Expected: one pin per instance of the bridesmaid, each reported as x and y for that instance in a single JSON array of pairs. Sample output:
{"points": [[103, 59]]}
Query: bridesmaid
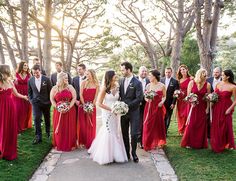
{"points": [[195, 135], [87, 121], [8, 122], [24, 114], [184, 78], [64, 123], [154, 133], [222, 135]]}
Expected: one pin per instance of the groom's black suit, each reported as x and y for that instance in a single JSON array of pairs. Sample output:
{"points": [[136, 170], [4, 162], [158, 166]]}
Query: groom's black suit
{"points": [[173, 85], [133, 98], [40, 101]]}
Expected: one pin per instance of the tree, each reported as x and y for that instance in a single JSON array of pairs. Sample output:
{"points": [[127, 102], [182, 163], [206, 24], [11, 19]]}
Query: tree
{"points": [[207, 20]]}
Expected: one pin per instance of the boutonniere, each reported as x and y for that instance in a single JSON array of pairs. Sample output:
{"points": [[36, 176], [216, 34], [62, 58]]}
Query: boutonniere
{"points": [[131, 85], [44, 83]]}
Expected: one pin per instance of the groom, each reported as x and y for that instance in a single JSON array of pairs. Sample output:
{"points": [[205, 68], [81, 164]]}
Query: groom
{"points": [[131, 93], [39, 87]]}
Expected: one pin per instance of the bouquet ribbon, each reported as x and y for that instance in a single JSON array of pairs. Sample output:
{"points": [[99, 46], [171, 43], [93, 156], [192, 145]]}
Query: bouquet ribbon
{"points": [[89, 118], [59, 122], [189, 115], [149, 104]]}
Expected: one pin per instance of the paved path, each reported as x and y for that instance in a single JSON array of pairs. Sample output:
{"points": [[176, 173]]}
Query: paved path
{"points": [[77, 166]]}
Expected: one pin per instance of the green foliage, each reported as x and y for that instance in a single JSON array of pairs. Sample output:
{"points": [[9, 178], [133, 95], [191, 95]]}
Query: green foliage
{"points": [[190, 55], [29, 158], [226, 55], [193, 164]]}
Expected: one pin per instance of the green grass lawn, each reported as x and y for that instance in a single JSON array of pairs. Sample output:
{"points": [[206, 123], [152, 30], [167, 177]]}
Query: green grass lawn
{"points": [[203, 164], [29, 158]]}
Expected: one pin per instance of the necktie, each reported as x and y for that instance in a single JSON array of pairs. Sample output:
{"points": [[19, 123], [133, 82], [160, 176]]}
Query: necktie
{"points": [[125, 85]]}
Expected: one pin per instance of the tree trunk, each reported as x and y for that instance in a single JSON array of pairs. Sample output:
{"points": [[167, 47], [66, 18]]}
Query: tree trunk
{"points": [[7, 43], [178, 40], [47, 57], [40, 56], [24, 28], [2, 57], [11, 14]]}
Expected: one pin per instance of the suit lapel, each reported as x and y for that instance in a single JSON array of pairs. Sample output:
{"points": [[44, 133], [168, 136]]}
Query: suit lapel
{"points": [[128, 88], [169, 83], [33, 84], [41, 86]]}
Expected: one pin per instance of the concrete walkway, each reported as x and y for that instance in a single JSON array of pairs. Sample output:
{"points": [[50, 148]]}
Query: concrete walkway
{"points": [[77, 166]]}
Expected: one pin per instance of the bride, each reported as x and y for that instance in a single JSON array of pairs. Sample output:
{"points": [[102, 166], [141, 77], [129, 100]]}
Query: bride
{"points": [[108, 145]]}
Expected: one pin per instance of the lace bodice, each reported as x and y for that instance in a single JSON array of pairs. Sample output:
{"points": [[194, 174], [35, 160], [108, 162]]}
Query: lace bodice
{"points": [[111, 98]]}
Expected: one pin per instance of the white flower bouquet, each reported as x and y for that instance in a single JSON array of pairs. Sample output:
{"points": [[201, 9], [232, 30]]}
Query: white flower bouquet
{"points": [[177, 93], [192, 99], [88, 107], [150, 94], [212, 97], [63, 106], [119, 108]]}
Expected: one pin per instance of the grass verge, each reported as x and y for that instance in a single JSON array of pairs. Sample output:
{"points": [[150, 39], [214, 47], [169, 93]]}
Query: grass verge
{"points": [[203, 164], [29, 158]]}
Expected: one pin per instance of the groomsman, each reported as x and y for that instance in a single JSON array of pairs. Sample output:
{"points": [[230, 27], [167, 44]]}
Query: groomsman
{"points": [[81, 68], [59, 68], [39, 87], [171, 85], [36, 61], [215, 79], [143, 73]]}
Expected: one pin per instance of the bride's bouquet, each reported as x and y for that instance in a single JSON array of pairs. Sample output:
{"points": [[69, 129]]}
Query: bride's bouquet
{"points": [[119, 108], [150, 94], [212, 97], [63, 106], [192, 99], [88, 107]]}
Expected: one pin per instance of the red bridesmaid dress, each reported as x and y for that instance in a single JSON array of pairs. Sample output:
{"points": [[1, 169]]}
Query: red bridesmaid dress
{"points": [[8, 125], [87, 121], [182, 106], [222, 135], [65, 137], [195, 135], [154, 131], [24, 108]]}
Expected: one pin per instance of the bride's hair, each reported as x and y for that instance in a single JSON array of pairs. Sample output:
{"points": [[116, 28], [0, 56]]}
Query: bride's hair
{"points": [[108, 79]]}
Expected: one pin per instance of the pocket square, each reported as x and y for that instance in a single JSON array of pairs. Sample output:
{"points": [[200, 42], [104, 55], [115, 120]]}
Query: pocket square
{"points": [[44, 83]]}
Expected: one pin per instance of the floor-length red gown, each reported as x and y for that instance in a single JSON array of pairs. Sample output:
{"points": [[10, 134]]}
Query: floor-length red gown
{"points": [[87, 121], [195, 135], [65, 137], [23, 107], [222, 135], [154, 131], [182, 106], [8, 125]]}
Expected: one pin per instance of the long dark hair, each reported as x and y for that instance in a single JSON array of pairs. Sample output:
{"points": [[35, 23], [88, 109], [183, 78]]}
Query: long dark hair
{"points": [[230, 74], [108, 79], [4, 70], [20, 67]]}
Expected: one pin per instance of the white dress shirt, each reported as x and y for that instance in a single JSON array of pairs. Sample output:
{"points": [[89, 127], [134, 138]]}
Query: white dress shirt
{"points": [[144, 82], [215, 82], [81, 78], [38, 82], [167, 81], [127, 82]]}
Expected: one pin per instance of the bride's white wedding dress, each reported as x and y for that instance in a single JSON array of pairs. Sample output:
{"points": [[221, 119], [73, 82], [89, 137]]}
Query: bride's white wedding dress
{"points": [[108, 145]]}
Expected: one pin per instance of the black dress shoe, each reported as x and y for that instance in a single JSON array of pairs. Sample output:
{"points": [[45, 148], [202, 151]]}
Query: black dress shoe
{"points": [[36, 141], [135, 158]]}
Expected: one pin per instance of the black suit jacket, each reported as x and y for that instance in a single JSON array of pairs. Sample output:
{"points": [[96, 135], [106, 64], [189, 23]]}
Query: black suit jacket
{"points": [[173, 85], [76, 85], [42, 97], [134, 93], [210, 80], [54, 78]]}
